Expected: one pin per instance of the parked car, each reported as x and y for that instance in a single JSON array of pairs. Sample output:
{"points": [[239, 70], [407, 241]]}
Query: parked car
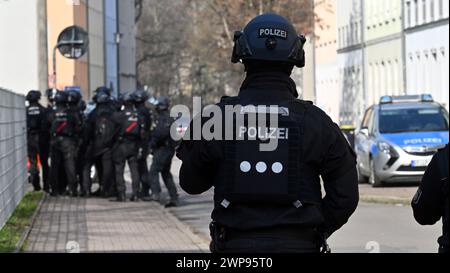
{"points": [[398, 138]]}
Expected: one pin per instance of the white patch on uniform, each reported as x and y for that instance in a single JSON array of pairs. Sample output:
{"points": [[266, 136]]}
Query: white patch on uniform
{"points": [[245, 167], [277, 167], [261, 167]]}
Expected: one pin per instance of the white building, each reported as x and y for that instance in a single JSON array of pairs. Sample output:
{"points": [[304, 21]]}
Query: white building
{"points": [[427, 48], [23, 45], [350, 61]]}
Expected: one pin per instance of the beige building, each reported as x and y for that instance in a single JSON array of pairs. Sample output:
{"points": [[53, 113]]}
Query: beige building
{"points": [[328, 95], [61, 14]]}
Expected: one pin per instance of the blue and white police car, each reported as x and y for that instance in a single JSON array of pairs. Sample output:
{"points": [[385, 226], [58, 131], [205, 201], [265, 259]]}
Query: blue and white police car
{"points": [[398, 138]]}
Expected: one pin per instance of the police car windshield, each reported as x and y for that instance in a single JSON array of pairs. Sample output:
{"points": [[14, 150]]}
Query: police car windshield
{"points": [[413, 120]]}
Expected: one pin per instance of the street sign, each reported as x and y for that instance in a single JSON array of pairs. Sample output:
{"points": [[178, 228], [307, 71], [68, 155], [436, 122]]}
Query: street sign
{"points": [[73, 42]]}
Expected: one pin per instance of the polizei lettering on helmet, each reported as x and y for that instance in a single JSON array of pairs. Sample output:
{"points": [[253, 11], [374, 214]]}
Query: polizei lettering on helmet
{"points": [[272, 32]]}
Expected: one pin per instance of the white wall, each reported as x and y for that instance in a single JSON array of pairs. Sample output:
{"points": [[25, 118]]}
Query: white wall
{"points": [[428, 63], [327, 86], [19, 44]]}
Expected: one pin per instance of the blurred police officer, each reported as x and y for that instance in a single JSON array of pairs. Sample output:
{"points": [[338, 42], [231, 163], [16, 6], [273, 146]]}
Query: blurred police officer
{"points": [[163, 150], [44, 139], [101, 130], [272, 201], [140, 97], [77, 106], [431, 203], [130, 124], [35, 122], [65, 126]]}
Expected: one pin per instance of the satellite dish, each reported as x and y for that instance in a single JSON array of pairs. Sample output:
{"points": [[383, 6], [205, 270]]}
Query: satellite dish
{"points": [[73, 42]]}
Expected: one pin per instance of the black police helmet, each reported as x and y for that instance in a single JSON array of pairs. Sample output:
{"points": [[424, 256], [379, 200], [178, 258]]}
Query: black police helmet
{"points": [[50, 94], [102, 98], [269, 37], [33, 96], [163, 103], [61, 97], [140, 96], [74, 96], [103, 89]]}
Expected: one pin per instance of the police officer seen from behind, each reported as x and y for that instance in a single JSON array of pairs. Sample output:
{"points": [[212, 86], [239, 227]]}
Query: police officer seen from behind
{"points": [[35, 122], [272, 201], [140, 97], [163, 150], [431, 203], [44, 139], [102, 130], [126, 149], [65, 126]]}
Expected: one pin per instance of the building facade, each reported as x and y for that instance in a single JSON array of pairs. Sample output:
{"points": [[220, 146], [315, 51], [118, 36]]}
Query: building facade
{"points": [[326, 70], [127, 45], [96, 53], [111, 46], [384, 49], [427, 48], [61, 14], [350, 61]]}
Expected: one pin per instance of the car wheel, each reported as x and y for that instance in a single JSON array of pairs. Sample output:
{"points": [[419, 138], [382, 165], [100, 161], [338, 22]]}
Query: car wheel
{"points": [[373, 179]]}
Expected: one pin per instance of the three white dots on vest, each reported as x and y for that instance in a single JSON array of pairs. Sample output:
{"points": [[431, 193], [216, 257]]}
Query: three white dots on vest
{"points": [[261, 167]]}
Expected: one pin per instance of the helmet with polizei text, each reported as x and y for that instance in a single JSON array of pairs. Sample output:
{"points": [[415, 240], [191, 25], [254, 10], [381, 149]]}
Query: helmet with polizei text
{"points": [[269, 37]]}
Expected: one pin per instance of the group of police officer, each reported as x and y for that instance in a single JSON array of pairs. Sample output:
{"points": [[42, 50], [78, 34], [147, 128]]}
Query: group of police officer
{"points": [[69, 138]]}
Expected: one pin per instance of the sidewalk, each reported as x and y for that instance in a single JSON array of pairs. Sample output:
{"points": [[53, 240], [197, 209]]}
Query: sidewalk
{"points": [[98, 225]]}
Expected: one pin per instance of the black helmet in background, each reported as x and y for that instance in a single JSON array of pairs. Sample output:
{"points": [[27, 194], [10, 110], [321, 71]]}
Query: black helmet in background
{"points": [[61, 98], [163, 103], [140, 96], [103, 89], [33, 96], [269, 37], [50, 94], [102, 98], [74, 96]]}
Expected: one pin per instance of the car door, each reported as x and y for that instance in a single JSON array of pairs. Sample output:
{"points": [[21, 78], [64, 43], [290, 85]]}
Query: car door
{"points": [[363, 142]]}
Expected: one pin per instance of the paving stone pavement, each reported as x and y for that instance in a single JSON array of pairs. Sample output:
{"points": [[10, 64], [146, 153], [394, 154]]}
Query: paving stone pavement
{"points": [[100, 225]]}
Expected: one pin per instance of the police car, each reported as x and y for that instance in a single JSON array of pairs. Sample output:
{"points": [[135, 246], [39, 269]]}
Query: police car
{"points": [[398, 138]]}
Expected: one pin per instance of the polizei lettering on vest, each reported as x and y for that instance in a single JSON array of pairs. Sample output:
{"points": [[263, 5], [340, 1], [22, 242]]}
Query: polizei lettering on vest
{"points": [[272, 32]]}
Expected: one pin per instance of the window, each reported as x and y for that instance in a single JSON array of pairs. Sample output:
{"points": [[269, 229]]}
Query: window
{"points": [[366, 119], [416, 11], [432, 10], [413, 120], [424, 11], [408, 14]]}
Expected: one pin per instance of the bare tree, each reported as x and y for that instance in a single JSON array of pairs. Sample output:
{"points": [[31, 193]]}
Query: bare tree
{"points": [[184, 46]]}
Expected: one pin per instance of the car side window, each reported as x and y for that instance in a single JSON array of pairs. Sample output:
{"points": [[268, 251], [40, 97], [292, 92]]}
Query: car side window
{"points": [[366, 120], [370, 124]]}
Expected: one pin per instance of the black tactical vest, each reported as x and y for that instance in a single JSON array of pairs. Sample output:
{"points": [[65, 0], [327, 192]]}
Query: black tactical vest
{"points": [[252, 176], [131, 127], [63, 123], [34, 117], [104, 129]]}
